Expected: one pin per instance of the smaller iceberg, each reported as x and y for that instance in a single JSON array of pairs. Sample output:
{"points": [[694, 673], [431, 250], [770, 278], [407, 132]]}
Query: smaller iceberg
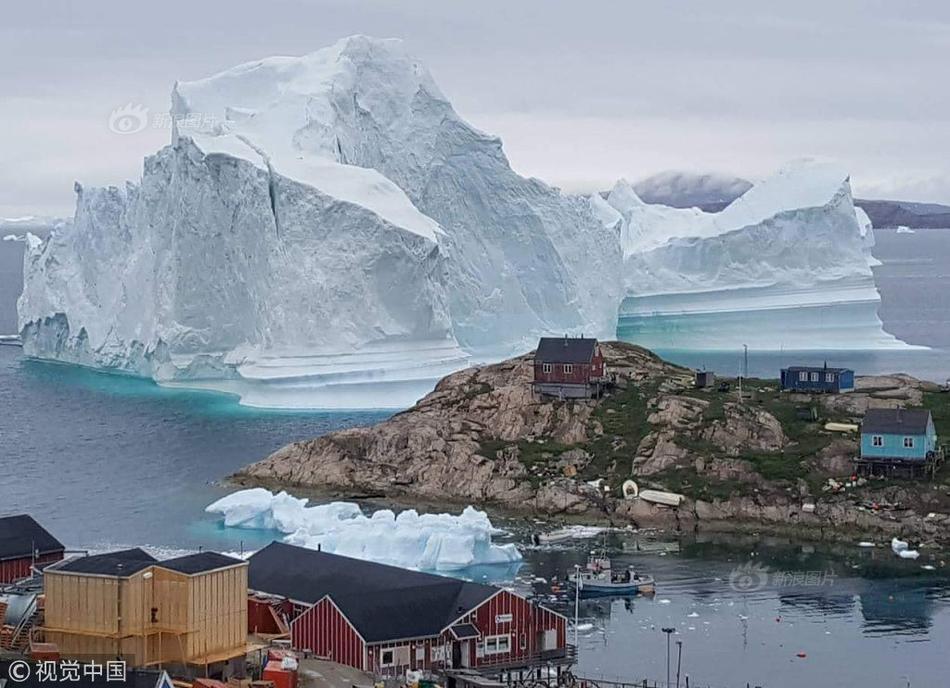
{"points": [[428, 542]]}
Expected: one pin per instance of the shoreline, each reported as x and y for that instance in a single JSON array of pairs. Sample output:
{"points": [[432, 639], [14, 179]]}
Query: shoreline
{"points": [[667, 519]]}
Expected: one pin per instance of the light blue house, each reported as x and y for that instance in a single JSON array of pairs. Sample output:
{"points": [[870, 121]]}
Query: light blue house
{"points": [[898, 435]]}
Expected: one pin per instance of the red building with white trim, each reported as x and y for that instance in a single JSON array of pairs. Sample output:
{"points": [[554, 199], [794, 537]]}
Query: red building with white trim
{"points": [[388, 620], [24, 543], [569, 367]]}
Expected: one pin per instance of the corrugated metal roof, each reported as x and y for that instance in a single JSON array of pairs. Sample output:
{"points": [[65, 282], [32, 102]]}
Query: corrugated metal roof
{"points": [[896, 421], [817, 369], [565, 350]]}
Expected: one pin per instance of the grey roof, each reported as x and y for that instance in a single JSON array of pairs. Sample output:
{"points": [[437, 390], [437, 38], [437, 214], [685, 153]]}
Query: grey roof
{"points": [[121, 564], [896, 421], [21, 536], [464, 630], [200, 563], [817, 369], [565, 350], [382, 602]]}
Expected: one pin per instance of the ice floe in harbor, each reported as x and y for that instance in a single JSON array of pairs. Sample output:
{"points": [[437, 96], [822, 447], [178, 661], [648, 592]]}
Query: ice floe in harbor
{"points": [[431, 542]]}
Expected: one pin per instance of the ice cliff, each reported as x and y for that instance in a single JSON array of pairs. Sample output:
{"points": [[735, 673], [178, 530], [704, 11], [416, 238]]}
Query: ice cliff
{"points": [[786, 265], [319, 226], [326, 231]]}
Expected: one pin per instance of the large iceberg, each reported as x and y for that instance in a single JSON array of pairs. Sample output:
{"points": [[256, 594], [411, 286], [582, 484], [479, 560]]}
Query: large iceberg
{"points": [[786, 265], [325, 231], [429, 542], [321, 231]]}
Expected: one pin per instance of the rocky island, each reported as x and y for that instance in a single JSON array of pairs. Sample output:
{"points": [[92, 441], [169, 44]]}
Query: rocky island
{"points": [[764, 460]]}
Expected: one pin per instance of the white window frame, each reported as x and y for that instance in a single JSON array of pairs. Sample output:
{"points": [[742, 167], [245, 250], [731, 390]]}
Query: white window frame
{"points": [[547, 368], [497, 644], [392, 657], [815, 377], [829, 377], [909, 443], [568, 368], [877, 440], [803, 376]]}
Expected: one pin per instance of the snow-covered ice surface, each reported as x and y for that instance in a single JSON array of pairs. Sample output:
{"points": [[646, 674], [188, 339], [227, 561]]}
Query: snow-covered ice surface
{"points": [[786, 265], [326, 232], [429, 542]]}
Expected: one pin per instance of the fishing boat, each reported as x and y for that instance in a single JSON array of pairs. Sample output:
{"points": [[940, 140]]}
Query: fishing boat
{"points": [[600, 578]]}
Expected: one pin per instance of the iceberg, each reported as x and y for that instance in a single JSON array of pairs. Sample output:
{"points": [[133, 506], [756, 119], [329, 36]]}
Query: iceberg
{"points": [[429, 542], [325, 231], [322, 231], [785, 266]]}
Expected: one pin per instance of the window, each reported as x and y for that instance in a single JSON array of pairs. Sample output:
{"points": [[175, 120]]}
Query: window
{"points": [[877, 440], [524, 641], [546, 367], [497, 644], [908, 443], [386, 658], [829, 377], [803, 376], [568, 368], [814, 377]]}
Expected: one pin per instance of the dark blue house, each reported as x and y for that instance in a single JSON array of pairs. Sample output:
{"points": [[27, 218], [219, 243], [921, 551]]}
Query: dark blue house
{"points": [[817, 379]]}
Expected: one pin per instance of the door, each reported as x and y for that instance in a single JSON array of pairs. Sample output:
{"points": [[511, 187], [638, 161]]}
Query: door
{"points": [[466, 653], [456, 654], [549, 642]]}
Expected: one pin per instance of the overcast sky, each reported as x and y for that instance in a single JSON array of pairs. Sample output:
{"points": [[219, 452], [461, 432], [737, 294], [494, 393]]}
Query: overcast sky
{"points": [[581, 92]]}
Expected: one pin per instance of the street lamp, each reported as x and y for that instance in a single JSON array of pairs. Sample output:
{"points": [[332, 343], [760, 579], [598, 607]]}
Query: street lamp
{"points": [[679, 660], [669, 632]]}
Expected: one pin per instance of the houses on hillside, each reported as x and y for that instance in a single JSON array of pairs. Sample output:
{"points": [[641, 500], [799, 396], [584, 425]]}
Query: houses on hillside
{"points": [[896, 440], [569, 367], [387, 620], [817, 379]]}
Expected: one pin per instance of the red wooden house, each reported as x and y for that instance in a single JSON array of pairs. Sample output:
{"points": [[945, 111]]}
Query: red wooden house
{"points": [[23, 544], [388, 620], [569, 367]]}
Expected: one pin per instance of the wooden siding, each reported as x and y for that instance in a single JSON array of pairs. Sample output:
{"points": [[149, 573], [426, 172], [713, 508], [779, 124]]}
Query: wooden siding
{"points": [[12, 570], [325, 631], [194, 616], [526, 628]]}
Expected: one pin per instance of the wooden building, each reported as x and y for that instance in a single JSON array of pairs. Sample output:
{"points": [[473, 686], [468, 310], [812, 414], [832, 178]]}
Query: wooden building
{"points": [[24, 543], [569, 367], [898, 441], [388, 620], [817, 379], [191, 610]]}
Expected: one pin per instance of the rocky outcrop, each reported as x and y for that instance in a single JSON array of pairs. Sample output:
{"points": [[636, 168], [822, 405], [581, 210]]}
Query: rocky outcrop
{"points": [[483, 436]]}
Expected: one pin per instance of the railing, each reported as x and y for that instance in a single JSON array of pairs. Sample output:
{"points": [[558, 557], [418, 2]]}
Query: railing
{"points": [[559, 657]]}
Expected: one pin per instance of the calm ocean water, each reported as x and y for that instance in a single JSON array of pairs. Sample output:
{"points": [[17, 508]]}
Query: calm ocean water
{"points": [[105, 461]]}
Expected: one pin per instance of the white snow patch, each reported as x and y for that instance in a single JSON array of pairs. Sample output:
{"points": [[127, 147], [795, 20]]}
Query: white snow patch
{"points": [[430, 542]]}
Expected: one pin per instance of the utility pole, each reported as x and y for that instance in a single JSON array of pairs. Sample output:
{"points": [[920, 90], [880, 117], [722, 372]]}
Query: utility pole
{"points": [[669, 632], [679, 660], [577, 598]]}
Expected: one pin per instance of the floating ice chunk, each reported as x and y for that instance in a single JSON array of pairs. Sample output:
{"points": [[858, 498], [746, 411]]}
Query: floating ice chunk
{"points": [[432, 542], [908, 554], [864, 543], [584, 627]]}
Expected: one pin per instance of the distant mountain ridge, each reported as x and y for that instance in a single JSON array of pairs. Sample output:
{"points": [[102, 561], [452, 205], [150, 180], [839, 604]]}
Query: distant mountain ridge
{"points": [[712, 192]]}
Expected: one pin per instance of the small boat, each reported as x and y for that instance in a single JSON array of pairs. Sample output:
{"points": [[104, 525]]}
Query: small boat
{"points": [[660, 497], [600, 578]]}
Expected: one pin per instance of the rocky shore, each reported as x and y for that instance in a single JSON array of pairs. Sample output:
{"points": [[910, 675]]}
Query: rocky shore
{"points": [[761, 461]]}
